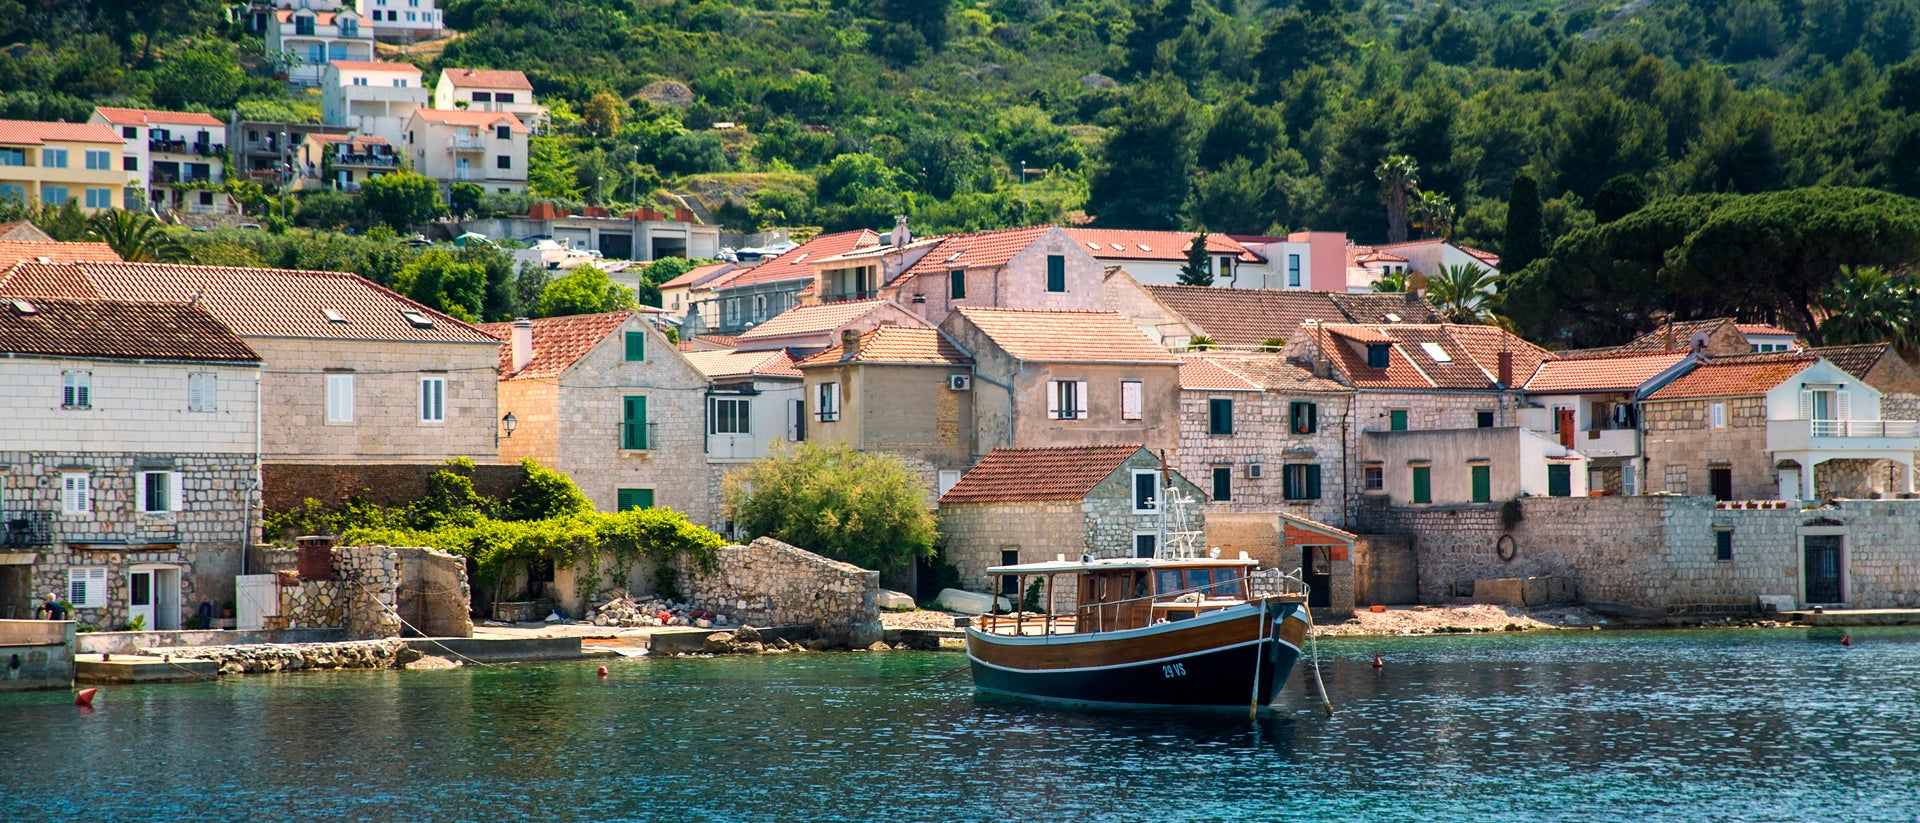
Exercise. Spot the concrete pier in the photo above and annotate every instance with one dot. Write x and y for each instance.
(1854, 617)
(140, 668)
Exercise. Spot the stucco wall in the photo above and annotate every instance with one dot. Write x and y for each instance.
(386, 423)
(903, 410)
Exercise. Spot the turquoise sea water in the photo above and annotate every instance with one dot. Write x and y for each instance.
(1761, 725)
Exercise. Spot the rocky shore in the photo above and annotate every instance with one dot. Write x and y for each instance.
(391, 653)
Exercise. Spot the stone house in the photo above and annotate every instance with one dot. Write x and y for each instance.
(1025, 505)
(1264, 435)
(1252, 318)
(1591, 403)
(903, 391)
(693, 287)
(747, 297)
(1158, 256)
(1714, 337)
(607, 400)
(485, 148)
(127, 464)
(1038, 267)
(1133, 301)
(755, 403)
(1786, 426)
(806, 329)
(1060, 378)
(1453, 467)
(355, 377)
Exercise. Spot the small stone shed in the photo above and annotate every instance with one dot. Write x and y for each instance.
(1029, 505)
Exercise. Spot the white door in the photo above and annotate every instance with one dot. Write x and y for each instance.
(257, 597)
(140, 597)
(1789, 484)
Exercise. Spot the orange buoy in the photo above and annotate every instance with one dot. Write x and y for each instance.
(1377, 662)
(85, 698)
(603, 671)
(1846, 640)
(1377, 609)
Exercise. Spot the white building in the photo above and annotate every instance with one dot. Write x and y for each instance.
(486, 148)
(308, 34)
(490, 90)
(173, 156)
(404, 21)
(374, 98)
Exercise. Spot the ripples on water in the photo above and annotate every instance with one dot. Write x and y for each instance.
(1733, 725)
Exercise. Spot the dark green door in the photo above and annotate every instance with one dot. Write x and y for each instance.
(1559, 480)
(1482, 484)
(1823, 569)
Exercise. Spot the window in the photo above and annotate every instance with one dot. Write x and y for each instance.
(730, 416)
(53, 158)
(1559, 480)
(99, 198)
(158, 491)
(348, 28)
(1010, 583)
(503, 97)
(827, 402)
(1293, 271)
(1222, 483)
(359, 81)
(130, 132)
(433, 398)
(1377, 355)
(1146, 491)
(1303, 418)
(1219, 416)
(636, 346)
(1483, 419)
(1423, 484)
(633, 422)
(1482, 482)
(1717, 416)
(339, 398)
(53, 195)
(1131, 400)
(948, 479)
(1056, 272)
(1723, 545)
(201, 392)
(316, 53)
(76, 492)
(798, 432)
(483, 97)
(76, 389)
(87, 587)
(99, 160)
(401, 82)
(1373, 478)
(1145, 544)
(129, 164)
(1300, 481)
(1066, 399)
(13, 157)
(957, 284)
(502, 162)
(1397, 420)
(337, 51)
(13, 193)
(503, 133)
(628, 499)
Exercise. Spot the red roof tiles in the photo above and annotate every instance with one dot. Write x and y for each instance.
(1429, 356)
(1200, 374)
(15, 251)
(117, 329)
(1600, 374)
(558, 342)
(896, 345)
(1739, 378)
(792, 263)
(375, 65)
(818, 318)
(1048, 474)
(1256, 371)
(34, 133)
(479, 119)
(487, 79)
(143, 117)
(1066, 336)
(1170, 246)
(718, 365)
(698, 275)
(983, 250)
(1250, 317)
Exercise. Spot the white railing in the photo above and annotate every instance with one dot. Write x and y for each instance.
(1865, 428)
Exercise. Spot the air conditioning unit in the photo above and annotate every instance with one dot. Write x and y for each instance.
(1256, 471)
(960, 382)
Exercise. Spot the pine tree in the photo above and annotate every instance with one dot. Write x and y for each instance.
(1198, 270)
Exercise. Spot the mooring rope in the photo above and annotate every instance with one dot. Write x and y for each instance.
(1313, 644)
(423, 635)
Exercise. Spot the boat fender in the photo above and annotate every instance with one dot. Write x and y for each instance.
(85, 698)
(1378, 664)
(1846, 640)
(603, 672)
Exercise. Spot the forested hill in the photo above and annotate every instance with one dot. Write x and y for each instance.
(1239, 115)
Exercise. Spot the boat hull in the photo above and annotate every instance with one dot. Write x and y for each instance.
(1221, 660)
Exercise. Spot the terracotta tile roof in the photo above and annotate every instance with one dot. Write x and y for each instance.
(1854, 360)
(1469, 356)
(117, 328)
(1678, 335)
(15, 251)
(252, 302)
(818, 318)
(480, 119)
(1360, 255)
(792, 263)
(1483, 256)
(1250, 317)
(1197, 373)
(1362, 334)
(24, 231)
(558, 342)
(897, 345)
(375, 65)
(983, 250)
(34, 133)
(1265, 371)
(717, 365)
(1738, 378)
(727, 340)
(699, 275)
(487, 79)
(142, 117)
(1762, 329)
(1065, 473)
(1066, 336)
(1171, 246)
(1601, 373)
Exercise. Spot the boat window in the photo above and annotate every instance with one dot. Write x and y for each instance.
(1167, 582)
(1140, 586)
(1179, 614)
(1197, 579)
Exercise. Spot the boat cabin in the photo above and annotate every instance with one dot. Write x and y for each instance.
(1130, 593)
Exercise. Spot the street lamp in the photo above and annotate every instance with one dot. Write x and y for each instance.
(508, 424)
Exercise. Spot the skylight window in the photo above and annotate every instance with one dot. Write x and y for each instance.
(333, 316)
(1438, 354)
(1092, 245)
(23, 307)
(956, 255)
(1144, 247)
(1117, 247)
(1393, 318)
(419, 321)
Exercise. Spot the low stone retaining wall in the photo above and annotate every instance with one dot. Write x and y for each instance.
(131, 642)
(770, 583)
(391, 653)
(36, 654)
(359, 599)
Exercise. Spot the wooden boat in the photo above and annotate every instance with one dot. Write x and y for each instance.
(1146, 631)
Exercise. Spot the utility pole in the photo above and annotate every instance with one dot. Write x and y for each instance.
(633, 210)
(1024, 219)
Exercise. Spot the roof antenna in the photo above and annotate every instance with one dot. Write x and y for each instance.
(195, 299)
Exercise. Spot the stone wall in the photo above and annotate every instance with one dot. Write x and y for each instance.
(974, 535)
(288, 485)
(386, 425)
(770, 583)
(1262, 432)
(359, 599)
(1386, 571)
(433, 594)
(1682, 447)
(36, 654)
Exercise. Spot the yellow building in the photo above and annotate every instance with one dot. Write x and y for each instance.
(52, 163)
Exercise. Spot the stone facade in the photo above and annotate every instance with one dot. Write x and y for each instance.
(1656, 555)
(1263, 435)
(288, 485)
(907, 411)
(770, 583)
(386, 425)
(359, 599)
(1010, 399)
(1682, 449)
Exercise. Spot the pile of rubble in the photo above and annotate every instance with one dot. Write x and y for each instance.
(622, 610)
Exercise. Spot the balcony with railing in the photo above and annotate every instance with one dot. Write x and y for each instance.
(367, 160)
(467, 142)
(25, 530)
(845, 296)
(1843, 435)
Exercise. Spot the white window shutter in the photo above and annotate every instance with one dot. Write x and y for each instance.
(175, 494)
(1843, 405)
(1053, 400)
(1718, 414)
(1130, 400)
(1806, 404)
(140, 491)
(193, 392)
(1080, 399)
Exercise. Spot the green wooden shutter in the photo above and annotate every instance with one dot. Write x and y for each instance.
(1056, 272)
(635, 499)
(1397, 420)
(957, 284)
(633, 425)
(1313, 481)
(1422, 484)
(1559, 480)
(636, 345)
(1482, 483)
(1219, 416)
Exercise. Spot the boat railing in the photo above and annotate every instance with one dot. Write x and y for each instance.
(1260, 584)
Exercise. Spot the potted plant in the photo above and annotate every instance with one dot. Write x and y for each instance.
(226, 609)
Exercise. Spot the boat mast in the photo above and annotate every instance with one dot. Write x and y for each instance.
(1160, 507)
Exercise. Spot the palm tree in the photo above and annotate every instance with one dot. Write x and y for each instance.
(1462, 293)
(1393, 282)
(137, 238)
(1399, 177)
(1868, 304)
(1433, 212)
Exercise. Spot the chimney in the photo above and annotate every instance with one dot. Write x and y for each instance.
(1506, 369)
(901, 234)
(522, 343)
(849, 343)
